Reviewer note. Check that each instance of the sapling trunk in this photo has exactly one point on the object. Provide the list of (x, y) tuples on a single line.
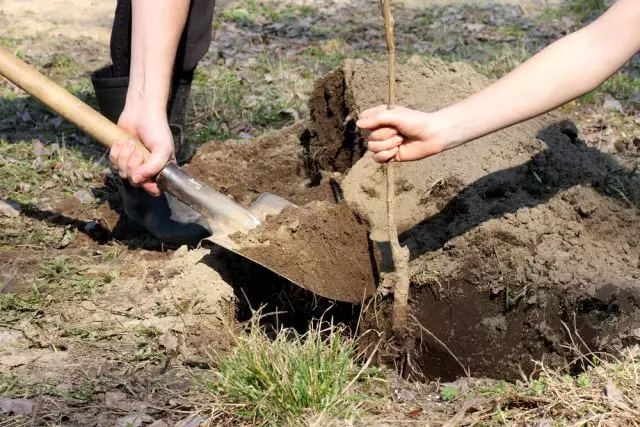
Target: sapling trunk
[(399, 253)]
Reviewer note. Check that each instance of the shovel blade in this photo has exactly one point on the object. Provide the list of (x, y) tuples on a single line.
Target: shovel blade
[(268, 204), (318, 273)]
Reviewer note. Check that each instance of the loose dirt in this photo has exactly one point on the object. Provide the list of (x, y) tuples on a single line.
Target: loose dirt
[(314, 247), (512, 237)]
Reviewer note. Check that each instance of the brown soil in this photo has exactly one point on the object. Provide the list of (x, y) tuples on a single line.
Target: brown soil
[(510, 236), (273, 163), (319, 247)]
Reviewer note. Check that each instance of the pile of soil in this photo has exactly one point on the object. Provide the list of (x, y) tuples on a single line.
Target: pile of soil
[(511, 236)]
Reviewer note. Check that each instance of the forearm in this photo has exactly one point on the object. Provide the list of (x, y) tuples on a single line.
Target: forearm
[(156, 31), (565, 70)]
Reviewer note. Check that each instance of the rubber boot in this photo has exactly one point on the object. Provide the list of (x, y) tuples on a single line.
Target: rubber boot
[(165, 217)]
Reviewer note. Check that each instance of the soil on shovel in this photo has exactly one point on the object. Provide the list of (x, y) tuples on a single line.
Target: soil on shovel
[(516, 239), (318, 236)]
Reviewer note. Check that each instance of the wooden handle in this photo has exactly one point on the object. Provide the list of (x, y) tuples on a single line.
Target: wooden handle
[(62, 102)]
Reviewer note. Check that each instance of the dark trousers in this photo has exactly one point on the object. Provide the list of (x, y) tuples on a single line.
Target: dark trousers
[(194, 43)]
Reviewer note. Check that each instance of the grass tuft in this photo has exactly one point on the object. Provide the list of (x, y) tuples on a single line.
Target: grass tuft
[(294, 377)]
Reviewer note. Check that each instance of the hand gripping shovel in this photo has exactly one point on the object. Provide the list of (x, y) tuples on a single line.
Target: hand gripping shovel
[(224, 216)]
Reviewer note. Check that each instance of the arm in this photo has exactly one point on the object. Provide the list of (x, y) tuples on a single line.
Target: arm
[(565, 70), (156, 31)]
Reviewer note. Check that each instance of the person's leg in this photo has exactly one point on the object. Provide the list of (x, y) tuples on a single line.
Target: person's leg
[(165, 217)]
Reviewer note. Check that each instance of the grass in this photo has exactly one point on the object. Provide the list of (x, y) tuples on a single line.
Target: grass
[(295, 377), (27, 178), (237, 103), (250, 11), (605, 392), (622, 86), (586, 9)]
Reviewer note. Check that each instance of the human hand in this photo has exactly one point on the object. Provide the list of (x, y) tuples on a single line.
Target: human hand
[(152, 129), (401, 134)]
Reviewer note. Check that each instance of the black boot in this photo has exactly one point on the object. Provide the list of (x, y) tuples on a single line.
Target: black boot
[(165, 217)]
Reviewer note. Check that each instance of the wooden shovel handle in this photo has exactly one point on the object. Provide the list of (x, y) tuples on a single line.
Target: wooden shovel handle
[(62, 102)]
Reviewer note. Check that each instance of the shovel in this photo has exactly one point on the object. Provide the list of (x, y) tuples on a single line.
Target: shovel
[(225, 217)]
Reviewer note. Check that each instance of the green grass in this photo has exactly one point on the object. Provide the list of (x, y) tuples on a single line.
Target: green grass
[(26, 178), (15, 307), (69, 281), (511, 30), (248, 11), (622, 86), (586, 9), (295, 377), (234, 102)]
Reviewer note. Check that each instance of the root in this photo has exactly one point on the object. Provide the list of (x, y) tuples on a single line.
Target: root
[(400, 254)]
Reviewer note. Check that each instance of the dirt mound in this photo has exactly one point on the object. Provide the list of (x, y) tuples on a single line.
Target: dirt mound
[(510, 236)]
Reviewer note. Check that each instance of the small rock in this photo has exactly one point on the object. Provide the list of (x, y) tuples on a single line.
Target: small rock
[(64, 387), (147, 418), (191, 422), (620, 146), (611, 392), (88, 305), (612, 104), (23, 187), (49, 184), (544, 423), (16, 406), (159, 423), (7, 337), (112, 398), (181, 251), (416, 61), (84, 196), (169, 341), (294, 226), (405, 395), (37, 147), (130, 421), (10, 208), (268, 78), (66, 239)]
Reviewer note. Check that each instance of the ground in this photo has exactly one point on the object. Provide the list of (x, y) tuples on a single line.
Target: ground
[(100, 323)]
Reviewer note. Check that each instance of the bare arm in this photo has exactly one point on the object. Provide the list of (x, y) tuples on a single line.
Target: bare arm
[(565, 70), (156, 31)]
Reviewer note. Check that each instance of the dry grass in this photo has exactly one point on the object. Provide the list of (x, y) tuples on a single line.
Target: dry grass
[(605, 393)]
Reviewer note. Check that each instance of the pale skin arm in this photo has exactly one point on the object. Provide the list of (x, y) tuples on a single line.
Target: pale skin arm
[(156, 31), (565, 70)]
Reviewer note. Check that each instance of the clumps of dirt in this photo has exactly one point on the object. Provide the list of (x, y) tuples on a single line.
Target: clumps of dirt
[(333, 141), (323, 247)]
